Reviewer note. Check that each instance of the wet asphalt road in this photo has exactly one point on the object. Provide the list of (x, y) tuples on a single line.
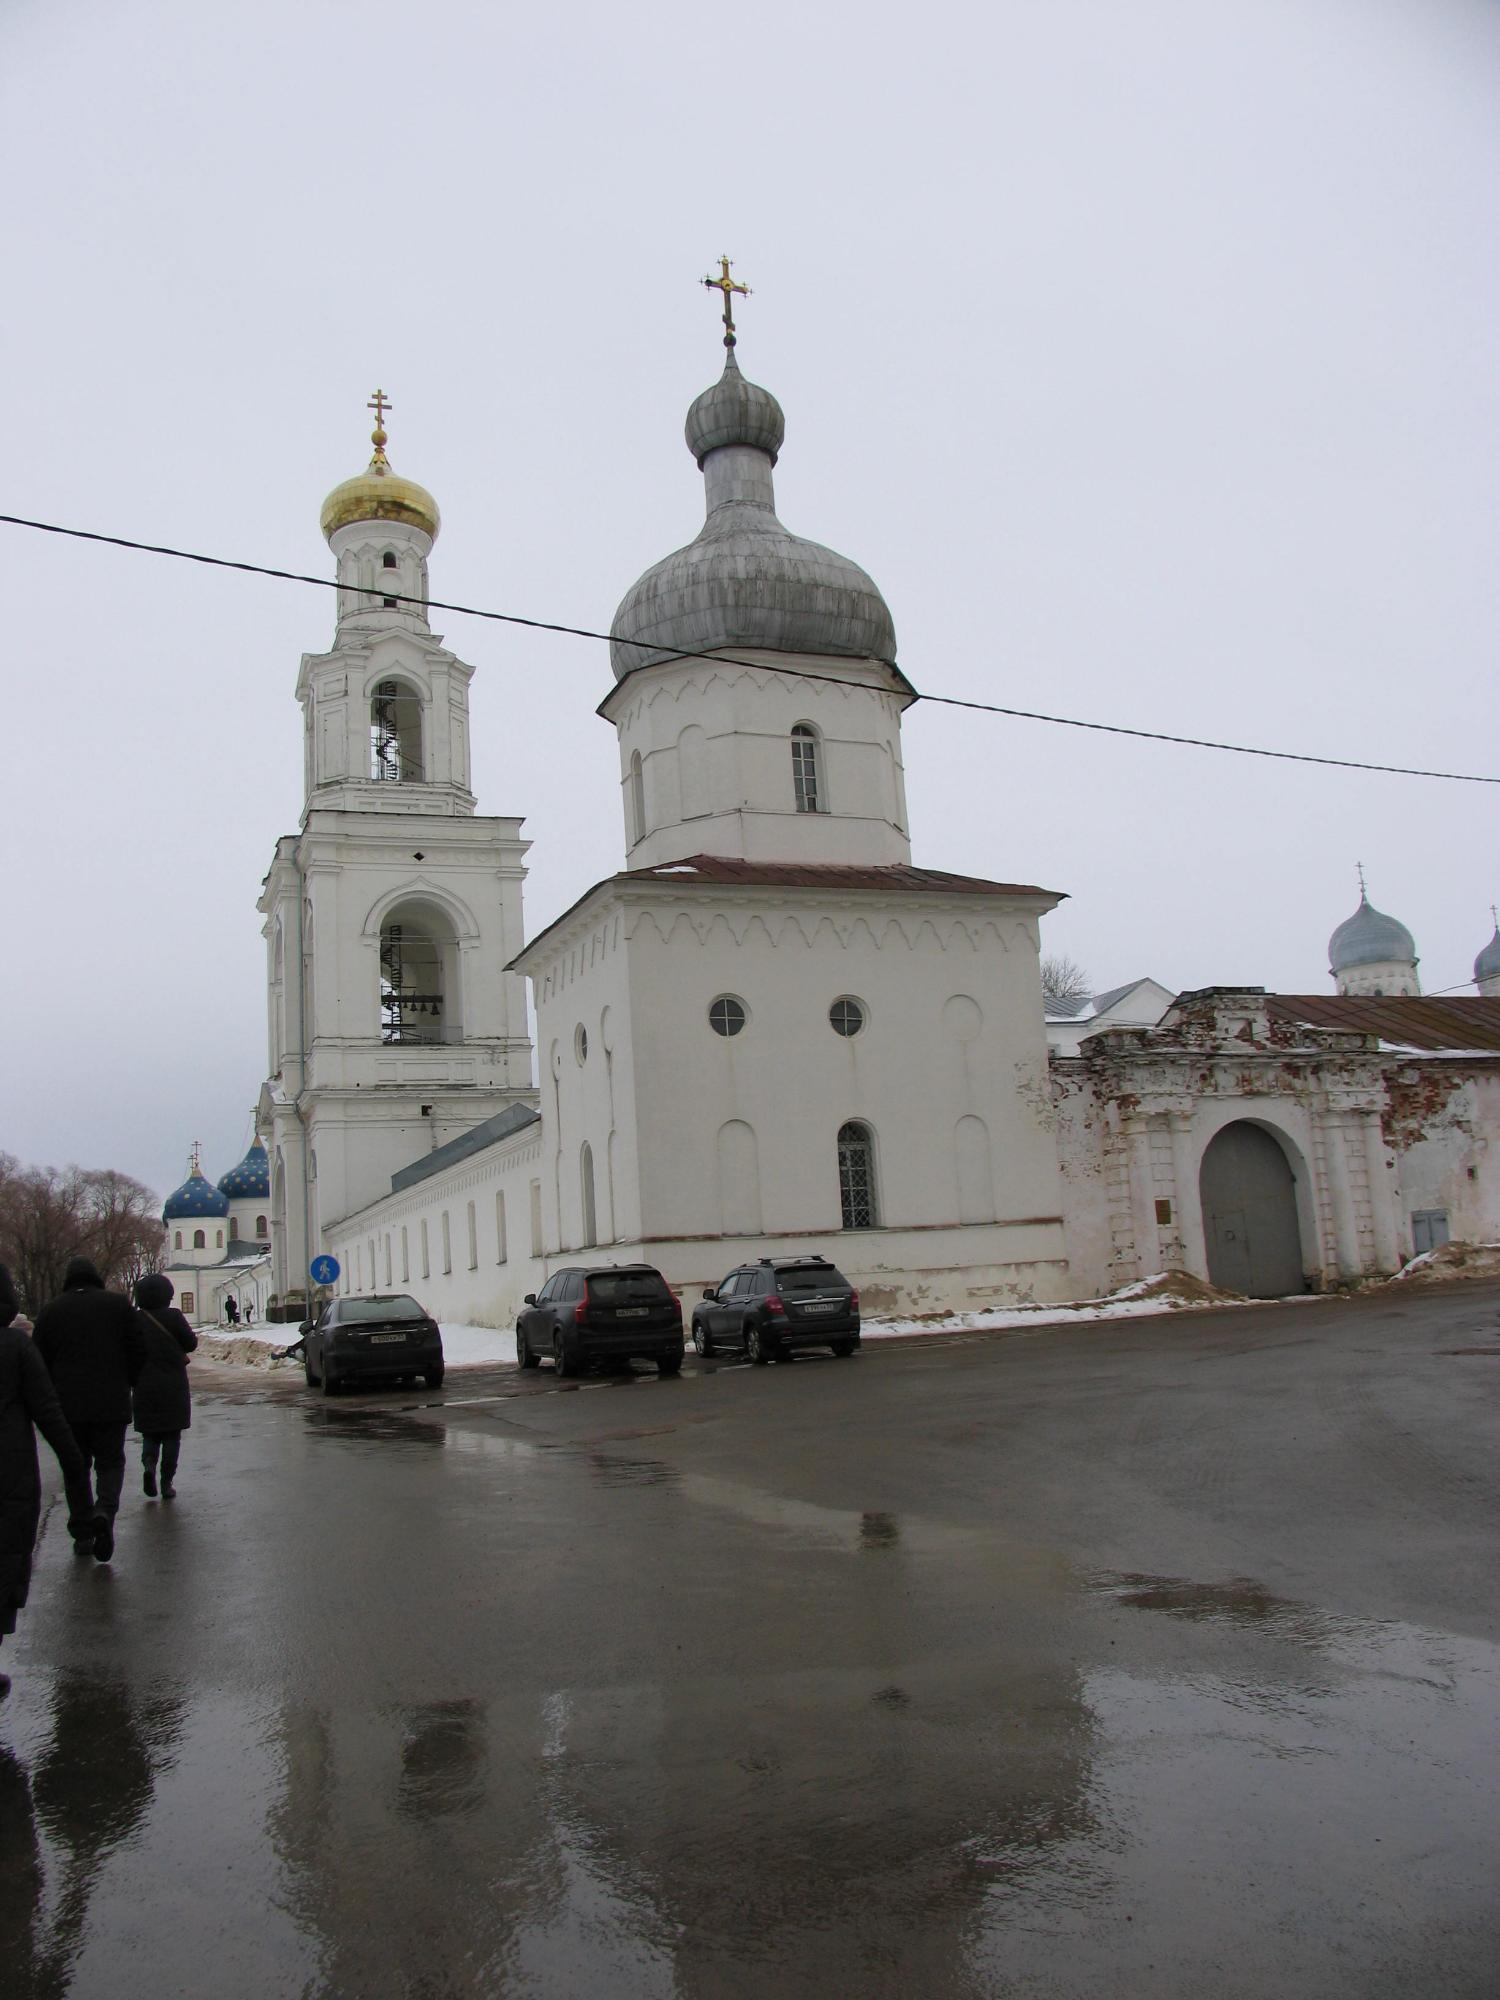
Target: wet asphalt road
[(1148, 1658)]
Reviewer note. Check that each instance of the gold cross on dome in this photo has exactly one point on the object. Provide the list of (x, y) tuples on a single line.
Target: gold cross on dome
[(379, 404), (727, 286)]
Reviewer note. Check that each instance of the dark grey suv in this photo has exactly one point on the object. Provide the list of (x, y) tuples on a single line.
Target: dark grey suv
[(772, 1307), (601, 1312)]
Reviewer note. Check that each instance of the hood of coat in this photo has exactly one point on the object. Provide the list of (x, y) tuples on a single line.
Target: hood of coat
[(81, 1273), (154, 1291), (10, 1305)]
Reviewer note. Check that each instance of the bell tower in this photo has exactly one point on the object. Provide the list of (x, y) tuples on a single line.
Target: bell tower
[(392, 913)]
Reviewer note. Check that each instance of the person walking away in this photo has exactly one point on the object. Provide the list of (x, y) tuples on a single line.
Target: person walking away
[(161, 1399), (28, 1404), (94, 1347)]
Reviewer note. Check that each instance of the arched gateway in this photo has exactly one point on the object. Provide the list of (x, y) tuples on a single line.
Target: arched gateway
[(1250, 1229)]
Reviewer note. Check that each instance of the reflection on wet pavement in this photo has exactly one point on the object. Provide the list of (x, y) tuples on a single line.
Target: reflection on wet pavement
[(91, 1785), (383, 1427), (820, 1698), (443, 1760)]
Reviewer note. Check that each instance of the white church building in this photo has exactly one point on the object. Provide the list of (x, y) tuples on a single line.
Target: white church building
[(770, 1030)]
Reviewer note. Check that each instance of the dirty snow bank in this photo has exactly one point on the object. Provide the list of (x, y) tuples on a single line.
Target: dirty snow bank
[(1449, 1261), (463, 1347), (1163, 1291)]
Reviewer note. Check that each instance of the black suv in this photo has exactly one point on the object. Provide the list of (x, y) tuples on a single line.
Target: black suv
[(771, 1307), (611, 1312), (355, 1339)]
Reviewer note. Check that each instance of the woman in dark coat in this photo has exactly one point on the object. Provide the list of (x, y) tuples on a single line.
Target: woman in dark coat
[(162, 1402), (27, 1400)]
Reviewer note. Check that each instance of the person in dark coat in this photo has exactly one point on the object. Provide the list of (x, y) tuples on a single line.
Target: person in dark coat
[(28, 1403), (94, 1347), (162, 1402)]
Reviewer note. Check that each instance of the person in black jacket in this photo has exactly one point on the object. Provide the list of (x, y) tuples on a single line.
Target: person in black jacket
[(93, 1345), (162, 1402), (28, 1403)]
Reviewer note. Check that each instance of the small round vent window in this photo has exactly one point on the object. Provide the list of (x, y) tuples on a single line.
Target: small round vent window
[(581, 1043), (726, 1015), (846, 1016)]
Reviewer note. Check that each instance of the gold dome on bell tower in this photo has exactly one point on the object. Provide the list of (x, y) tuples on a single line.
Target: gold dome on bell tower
[(377, 493)]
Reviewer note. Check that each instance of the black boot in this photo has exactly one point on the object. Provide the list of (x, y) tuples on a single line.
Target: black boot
[(148, 1482)]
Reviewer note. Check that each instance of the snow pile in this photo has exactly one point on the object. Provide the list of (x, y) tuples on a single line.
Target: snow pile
[(243, 1350), (1163, 1291), (468, 1346), (463, 1347), (1451, 1260)]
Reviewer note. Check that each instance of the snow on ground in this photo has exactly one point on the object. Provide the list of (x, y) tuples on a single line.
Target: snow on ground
[(466, 1346), (474, 1346), (1452, 1260), (463, 1346)]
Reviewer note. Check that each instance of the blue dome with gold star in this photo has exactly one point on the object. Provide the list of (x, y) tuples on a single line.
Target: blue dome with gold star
[(196, 1197), (251, 1179)]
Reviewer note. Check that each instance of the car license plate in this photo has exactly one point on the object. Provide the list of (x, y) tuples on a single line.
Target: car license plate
[(387, 1336), (632, 1312), (826, 1306)]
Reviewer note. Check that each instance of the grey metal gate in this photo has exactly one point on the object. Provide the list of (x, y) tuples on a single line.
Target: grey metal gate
[(1250, 1214)]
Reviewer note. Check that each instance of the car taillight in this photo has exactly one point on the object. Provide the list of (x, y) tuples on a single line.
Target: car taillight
[(854, 1302), (581, 1310), (774, 1305)]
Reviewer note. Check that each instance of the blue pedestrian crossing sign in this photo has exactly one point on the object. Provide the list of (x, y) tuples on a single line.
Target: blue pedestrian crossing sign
[(324, 1270)]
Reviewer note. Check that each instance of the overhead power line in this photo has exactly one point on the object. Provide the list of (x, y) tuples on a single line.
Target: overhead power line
[(731, 659)]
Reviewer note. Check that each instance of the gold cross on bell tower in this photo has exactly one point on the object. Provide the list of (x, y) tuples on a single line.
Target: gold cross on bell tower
[(727, 286), (379, 403)]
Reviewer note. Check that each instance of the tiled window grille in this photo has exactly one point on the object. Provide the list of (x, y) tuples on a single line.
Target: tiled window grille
[(857, 1177)]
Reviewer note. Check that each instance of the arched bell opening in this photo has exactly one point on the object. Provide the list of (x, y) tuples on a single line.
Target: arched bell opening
[(419, 977), (396, 734)]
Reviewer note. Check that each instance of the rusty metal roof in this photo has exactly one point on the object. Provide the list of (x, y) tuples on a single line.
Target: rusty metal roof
[(1468, 1023), (902, 879), (721, 871)]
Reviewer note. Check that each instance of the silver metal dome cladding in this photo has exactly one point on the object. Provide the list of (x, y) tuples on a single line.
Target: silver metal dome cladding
[(1370, 937), (734, 411), (747, 583)]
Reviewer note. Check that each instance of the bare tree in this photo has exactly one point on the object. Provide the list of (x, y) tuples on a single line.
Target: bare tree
[(1063, 978), (48, 1215)]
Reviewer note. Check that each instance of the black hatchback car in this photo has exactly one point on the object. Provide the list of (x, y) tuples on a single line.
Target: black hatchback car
[(772, 1307), (360, 1339), (605, 1312)]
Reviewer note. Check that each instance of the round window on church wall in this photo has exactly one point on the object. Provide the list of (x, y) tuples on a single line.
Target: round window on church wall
[(846, 1016), (726, 1015), (581, 1043)]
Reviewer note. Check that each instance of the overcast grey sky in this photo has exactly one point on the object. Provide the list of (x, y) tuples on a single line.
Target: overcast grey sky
[(1144, 354)]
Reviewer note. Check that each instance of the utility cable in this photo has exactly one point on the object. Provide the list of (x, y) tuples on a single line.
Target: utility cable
[(734, 660)]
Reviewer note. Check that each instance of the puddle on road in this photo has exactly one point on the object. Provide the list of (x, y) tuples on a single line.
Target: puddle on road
[(384, 1427)]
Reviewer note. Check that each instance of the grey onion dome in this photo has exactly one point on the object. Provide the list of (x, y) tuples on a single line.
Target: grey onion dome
[(734, 411), (1370, 937), (1487, 965), (747, 583)]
